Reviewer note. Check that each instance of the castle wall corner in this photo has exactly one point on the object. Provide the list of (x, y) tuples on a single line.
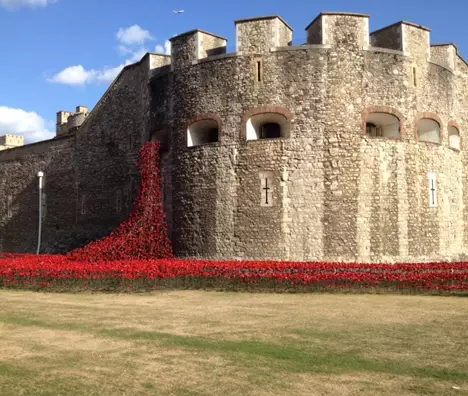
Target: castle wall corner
[(339, 30), (188, 48), (260, 35), (444, 55)]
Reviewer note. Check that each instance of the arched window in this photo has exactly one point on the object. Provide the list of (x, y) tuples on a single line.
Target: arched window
[(428, 130), (161, 136), (267, 126), (454, 137), (383, 125), (202, 132)]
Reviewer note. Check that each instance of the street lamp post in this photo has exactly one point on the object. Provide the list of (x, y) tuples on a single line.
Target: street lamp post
[(40, 175)]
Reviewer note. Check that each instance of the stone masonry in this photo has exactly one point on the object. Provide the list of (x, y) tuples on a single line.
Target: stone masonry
[(325, 188)]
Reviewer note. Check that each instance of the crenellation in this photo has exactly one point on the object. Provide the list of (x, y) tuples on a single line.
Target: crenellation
[(82, 109), (62, 116), (416, 41), (315, 31), (390, 37), (158, 60), (445, 55), (11, 141), (210, 45), (259, 35), (188, 48), (184, 50), (69, 121), (412, 39), (339, 29)]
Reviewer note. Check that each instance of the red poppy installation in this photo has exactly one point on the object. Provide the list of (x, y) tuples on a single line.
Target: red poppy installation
[(60, 273), (138, 257), (144, 235)]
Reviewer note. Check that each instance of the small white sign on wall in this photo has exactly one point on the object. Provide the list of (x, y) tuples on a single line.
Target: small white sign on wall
[(432, 190)]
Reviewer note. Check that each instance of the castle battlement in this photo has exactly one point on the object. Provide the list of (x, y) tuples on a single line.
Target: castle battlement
[(263, 35), (11, 141), (191, 46), (69, 121)]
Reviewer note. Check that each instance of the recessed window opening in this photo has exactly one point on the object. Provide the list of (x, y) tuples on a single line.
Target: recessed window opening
[(9, 206), (266, 126), (428, 130), (454, 137), (202, 132), (126, 196), (259, 71), (270, 130), (118, 201), (83, 205), (383, 125), (415, 77)]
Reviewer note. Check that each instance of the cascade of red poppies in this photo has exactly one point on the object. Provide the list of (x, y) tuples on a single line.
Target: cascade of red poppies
[(144, 235)]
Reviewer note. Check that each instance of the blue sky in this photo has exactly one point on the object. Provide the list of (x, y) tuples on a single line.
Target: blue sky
[(57, 54)]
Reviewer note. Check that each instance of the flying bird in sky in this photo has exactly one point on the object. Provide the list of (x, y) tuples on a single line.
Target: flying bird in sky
[(178, 12)]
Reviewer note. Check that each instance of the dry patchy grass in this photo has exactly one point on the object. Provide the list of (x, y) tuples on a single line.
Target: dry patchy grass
[(208, 343)]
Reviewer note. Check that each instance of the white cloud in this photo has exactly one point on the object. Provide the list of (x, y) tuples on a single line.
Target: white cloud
[(24, 123), (73, 75), (77, 75), (15, 4), (166, 49), (133, 35), (123, 50)]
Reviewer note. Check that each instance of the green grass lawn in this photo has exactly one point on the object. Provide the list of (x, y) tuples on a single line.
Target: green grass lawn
[(211, 343)]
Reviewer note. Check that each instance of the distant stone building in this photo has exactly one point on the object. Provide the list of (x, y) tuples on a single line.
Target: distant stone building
[(346, 148), (11, 141)]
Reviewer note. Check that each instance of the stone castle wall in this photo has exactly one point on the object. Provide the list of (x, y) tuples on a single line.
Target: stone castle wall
[(336, 193), (339, 195), (19, 192), (91, 178)]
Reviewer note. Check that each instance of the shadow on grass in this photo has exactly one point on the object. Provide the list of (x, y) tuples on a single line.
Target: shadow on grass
[(288, 358)]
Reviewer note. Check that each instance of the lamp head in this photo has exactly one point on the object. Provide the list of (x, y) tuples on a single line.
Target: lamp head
[(40, 174)]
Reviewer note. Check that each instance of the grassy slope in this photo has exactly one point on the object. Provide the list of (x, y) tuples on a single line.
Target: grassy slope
[(208, 343)]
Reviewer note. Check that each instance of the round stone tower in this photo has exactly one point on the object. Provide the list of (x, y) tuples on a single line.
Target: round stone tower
[(346, 148)]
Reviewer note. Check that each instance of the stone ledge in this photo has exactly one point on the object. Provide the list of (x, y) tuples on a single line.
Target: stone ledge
[(301, 47), (215, 57), (442, 66), (18, 152), (196, 31), (263, 18), (351, 14), (385, 50), (401, 23)]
